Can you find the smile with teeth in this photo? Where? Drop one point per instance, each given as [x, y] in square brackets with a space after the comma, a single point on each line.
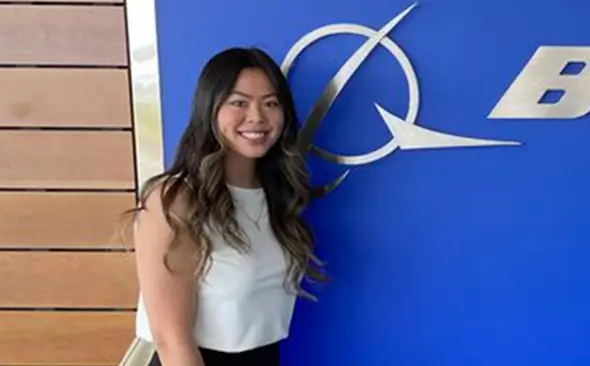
[253, 135]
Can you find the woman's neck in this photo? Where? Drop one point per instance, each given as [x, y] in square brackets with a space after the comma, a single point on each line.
[241, 171]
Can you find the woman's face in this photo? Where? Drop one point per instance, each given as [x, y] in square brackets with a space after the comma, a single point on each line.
[251, 119]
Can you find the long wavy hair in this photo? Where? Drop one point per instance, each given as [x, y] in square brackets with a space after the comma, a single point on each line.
[196, 174]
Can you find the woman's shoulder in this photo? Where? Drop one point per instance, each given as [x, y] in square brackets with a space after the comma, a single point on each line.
[165, 197]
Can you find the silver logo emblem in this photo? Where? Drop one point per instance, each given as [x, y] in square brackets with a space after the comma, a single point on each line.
[406, 134]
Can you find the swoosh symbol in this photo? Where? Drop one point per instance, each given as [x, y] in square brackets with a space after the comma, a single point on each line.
[406, 134]
[339, 80]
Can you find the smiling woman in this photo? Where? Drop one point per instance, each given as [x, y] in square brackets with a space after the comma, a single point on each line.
[251, 118]
[221, 248]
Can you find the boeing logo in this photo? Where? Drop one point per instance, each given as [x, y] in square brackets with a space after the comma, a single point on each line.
[557, 70]
[405, 132]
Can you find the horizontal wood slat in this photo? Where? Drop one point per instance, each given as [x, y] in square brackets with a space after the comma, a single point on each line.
[62, 220]
[68, 280]
[64, 338]
[64, 97]
[66, 159]
[62, 34]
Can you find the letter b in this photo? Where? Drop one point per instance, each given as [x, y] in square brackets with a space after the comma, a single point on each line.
[545, 73]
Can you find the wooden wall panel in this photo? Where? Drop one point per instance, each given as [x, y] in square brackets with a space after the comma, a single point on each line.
[71, 76]
[67, 280]
[67, 35]
[64, 338]
[66, 159]
[43, 97]
[62, 219]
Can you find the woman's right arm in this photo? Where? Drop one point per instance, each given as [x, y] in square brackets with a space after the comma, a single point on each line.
[168, 296]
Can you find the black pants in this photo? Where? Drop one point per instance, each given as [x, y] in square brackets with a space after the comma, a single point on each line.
[263, 356]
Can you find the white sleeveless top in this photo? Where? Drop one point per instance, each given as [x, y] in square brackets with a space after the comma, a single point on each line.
[242, 302]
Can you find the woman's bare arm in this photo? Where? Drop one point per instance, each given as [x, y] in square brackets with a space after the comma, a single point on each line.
[168, 296]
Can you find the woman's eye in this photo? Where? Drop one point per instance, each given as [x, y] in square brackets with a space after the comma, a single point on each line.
[272, 104]
[238, 103]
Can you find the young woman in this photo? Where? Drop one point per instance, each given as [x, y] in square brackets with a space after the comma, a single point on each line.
[220, 245]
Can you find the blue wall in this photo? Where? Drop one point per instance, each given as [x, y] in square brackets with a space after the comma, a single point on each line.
[468, 256]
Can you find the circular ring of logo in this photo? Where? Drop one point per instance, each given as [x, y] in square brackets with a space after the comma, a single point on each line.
[394, 50]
